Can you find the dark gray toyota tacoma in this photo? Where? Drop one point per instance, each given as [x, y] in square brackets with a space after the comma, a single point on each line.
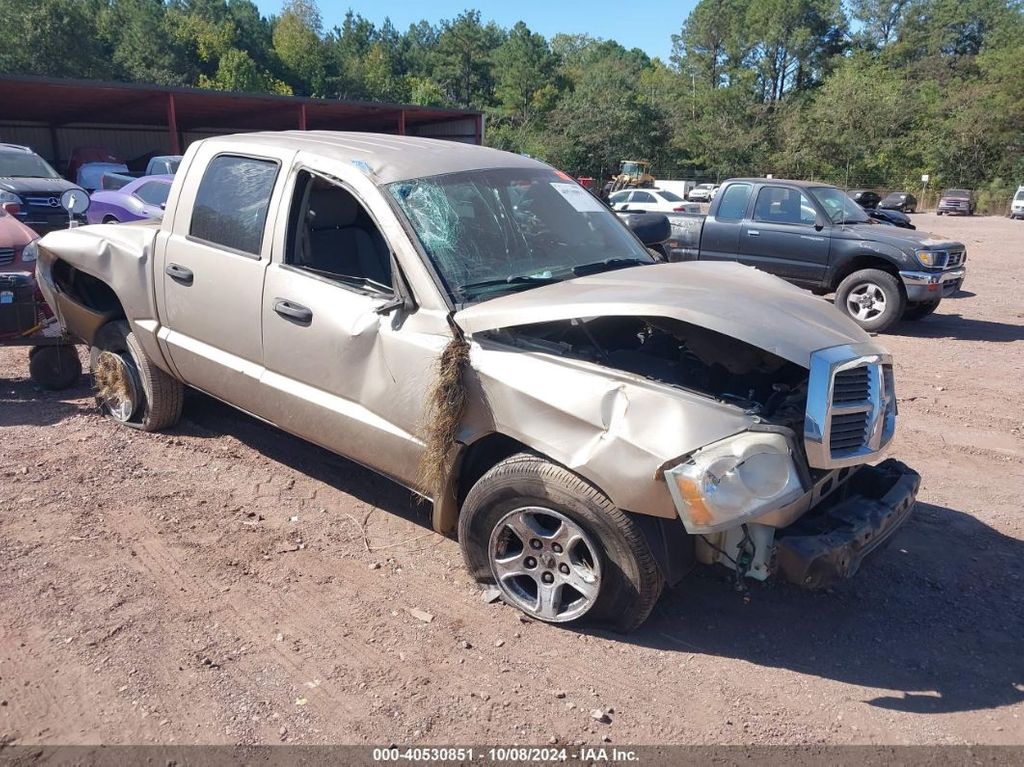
[815, 236]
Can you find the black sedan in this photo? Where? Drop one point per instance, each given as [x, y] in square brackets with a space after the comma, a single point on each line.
[902, 201]
[865, 198]
[894, 217]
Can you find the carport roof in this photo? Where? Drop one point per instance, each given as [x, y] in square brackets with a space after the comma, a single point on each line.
[59, 102]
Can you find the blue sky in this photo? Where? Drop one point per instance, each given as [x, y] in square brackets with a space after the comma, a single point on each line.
[646, 25]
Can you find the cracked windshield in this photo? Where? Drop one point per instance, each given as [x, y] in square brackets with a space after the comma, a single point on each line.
[496, 231]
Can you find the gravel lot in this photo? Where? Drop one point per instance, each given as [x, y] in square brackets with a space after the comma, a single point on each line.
[226, 583]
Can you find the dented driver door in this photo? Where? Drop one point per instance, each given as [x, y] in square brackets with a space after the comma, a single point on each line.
[341, 372]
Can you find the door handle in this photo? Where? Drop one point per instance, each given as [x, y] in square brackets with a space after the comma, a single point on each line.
[292, 311]
[753, 233]
[179, 273]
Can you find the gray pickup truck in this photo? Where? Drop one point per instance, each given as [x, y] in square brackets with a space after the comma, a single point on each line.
[815, 236]
[473, 324]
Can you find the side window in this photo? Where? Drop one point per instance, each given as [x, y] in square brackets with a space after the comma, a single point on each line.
[642, 197]
[332, 235]
[153, 192]
[232, 201]
[734, 202]
[618, 197]
[780, 205]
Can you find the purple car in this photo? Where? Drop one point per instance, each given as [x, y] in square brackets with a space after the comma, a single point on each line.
[141, 199]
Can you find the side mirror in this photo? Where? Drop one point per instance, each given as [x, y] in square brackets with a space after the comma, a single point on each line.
[398, 302]
[819, 222]
[650, 228]
[403, 294]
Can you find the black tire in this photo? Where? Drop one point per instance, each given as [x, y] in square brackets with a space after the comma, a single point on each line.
[110, 220]
[938, 213]
[630, 581]
[920, 310]
[54, 367]
[891, 309]
[159, 396]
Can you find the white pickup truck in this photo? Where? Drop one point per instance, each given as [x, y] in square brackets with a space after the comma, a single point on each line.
[592, 422]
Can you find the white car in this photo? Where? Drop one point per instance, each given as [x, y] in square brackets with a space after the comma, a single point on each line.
[1017, 206]
[655, 200]
[701, 193]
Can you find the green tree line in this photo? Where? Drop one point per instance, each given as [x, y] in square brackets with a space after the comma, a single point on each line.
[861, 93]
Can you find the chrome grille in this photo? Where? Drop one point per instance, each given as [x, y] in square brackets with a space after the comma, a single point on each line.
[852, 385]
[6, 256]
[851, 407]
[848, 432]
[42, 201]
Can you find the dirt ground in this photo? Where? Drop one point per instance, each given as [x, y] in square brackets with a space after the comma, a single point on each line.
[226, 583]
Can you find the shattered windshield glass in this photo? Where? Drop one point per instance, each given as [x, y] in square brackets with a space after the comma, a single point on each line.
[494, 231]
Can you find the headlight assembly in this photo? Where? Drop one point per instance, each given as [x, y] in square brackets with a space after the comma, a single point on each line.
[30, 252]
[933, 259]
[729, 481]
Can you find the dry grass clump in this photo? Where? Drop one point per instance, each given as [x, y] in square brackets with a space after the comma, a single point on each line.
[445, 406]
[109, 379]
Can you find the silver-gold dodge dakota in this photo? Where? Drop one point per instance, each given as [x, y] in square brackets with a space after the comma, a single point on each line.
[590, 421]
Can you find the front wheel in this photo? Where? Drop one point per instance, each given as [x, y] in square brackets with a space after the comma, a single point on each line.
[920, 310]
[130, 389]
[871, 298]
[556, 547]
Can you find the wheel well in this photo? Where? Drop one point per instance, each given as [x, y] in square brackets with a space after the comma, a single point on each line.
[857, 263]
[91, 292]
[672, 548]
[480, 457]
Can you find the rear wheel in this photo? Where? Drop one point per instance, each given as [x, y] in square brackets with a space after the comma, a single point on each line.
[110, 220]
[556, 547]
[54, 367]
[129, 387]
[920, 310]
[871, 298]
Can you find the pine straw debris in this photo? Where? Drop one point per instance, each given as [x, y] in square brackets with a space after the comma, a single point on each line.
[109, 379]
[446, 404]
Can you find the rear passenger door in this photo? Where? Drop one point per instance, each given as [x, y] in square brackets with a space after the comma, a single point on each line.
[781, 237]
[209, 273]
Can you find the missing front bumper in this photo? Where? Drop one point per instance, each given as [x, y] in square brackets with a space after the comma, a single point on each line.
[828, 543]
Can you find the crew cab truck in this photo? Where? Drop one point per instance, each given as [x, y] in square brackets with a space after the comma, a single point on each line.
[817, 237]
[590, 421]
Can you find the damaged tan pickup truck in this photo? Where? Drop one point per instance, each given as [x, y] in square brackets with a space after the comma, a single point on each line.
[473, 324]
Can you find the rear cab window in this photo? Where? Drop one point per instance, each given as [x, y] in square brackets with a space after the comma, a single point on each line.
[231, 204]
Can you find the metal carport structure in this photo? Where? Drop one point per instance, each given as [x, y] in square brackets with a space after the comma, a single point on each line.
[54, 116]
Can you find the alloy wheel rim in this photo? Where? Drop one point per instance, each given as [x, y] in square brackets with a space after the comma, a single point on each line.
[118, 388]
[866, 301]
[545, 564]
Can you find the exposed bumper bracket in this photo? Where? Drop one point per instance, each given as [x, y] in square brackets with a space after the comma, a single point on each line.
[829, 543]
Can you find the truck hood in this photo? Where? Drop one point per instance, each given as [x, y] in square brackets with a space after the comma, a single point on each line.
[904, 239]
[28, 185]
[733, 299]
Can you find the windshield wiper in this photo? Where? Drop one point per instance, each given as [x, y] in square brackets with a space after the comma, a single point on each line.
[607, 265]
[524, 280]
